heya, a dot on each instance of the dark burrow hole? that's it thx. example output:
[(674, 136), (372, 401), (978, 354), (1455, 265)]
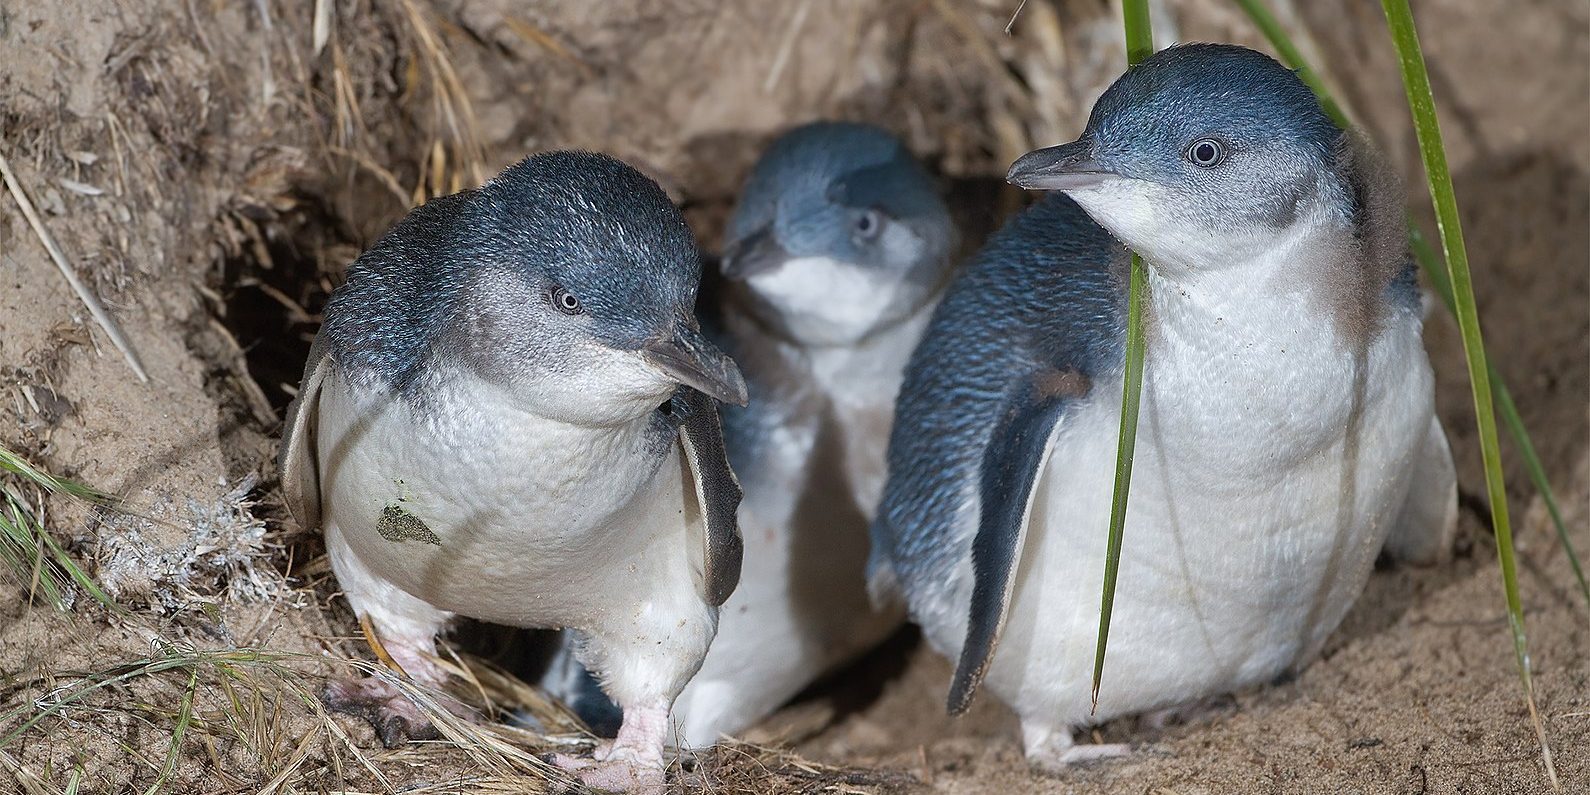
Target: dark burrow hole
[(273, 290)]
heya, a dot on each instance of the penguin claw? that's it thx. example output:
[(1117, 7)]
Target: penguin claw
[(570, 763), (396, 731), (632, 762)]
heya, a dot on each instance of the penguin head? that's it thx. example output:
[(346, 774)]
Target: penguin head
[(839, 231), (569, 280), (1200, 154)]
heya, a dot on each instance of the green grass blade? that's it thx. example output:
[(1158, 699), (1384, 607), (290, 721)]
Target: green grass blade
[(1427, 128), (1537, 475), (1139, 45), (184, 718), (1509, 410), (22, 549), (70, 567), (1139, 34), (19, 551), (21, 534), (1126, 447), (1421, 101), (22, 468), (1436, 274)]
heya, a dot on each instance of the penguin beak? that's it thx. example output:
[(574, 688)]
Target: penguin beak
[(1065, 167), (755, 253), (691, 360)]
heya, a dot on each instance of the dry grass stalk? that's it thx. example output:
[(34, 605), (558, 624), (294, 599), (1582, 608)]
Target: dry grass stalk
[(452, 106), (348, 117), (26, 778), (325, 10), (384, 176), (267, 87), (787, 46), (535, 35), (254, 717), (1012, 102), (84, 294), (237, 362), (1014, 15)]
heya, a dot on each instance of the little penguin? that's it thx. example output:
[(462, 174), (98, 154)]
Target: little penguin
[(838, 248), (1287, 430), (506, 416)]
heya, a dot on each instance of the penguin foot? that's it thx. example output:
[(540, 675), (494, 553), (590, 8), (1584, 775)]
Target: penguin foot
[(1051, 749), (633, 762), (1092, 752), (395, 718), (635, 776), (1061, 761)]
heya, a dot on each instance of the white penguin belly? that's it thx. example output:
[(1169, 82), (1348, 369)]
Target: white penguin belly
[(492, 513), (862, 387), (1254, 521)]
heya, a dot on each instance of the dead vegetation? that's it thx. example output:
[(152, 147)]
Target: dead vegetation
[(221, 163)]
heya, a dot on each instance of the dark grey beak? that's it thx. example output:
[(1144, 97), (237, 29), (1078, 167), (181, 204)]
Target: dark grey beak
[(1065, 167), (693, 361), (756, 253)]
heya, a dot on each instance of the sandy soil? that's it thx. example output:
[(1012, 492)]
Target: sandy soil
[(238, 168)]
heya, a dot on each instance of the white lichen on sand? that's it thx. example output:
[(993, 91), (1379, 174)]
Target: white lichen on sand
[(225, 550)]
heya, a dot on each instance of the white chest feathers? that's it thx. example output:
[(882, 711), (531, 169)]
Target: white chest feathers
[(476, 506), (825, 301)]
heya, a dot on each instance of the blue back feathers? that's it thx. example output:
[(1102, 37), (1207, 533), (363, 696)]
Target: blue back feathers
[(1047, 290)]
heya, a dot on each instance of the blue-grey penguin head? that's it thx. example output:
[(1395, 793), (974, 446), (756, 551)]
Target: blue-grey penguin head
[(570, 280), (1201, 153), (839, 231)]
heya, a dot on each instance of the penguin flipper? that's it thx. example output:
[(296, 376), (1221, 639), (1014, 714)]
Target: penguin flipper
[(1014, 459), (717, 492), (1428, 522), (298, 462)]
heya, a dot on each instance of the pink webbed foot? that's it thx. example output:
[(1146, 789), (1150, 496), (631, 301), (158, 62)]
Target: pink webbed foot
[(615, 775), (396, 719), (632, 762)]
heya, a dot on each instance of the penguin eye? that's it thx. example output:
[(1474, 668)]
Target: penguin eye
[(868, 224), (1206, 153), (566, 302)]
